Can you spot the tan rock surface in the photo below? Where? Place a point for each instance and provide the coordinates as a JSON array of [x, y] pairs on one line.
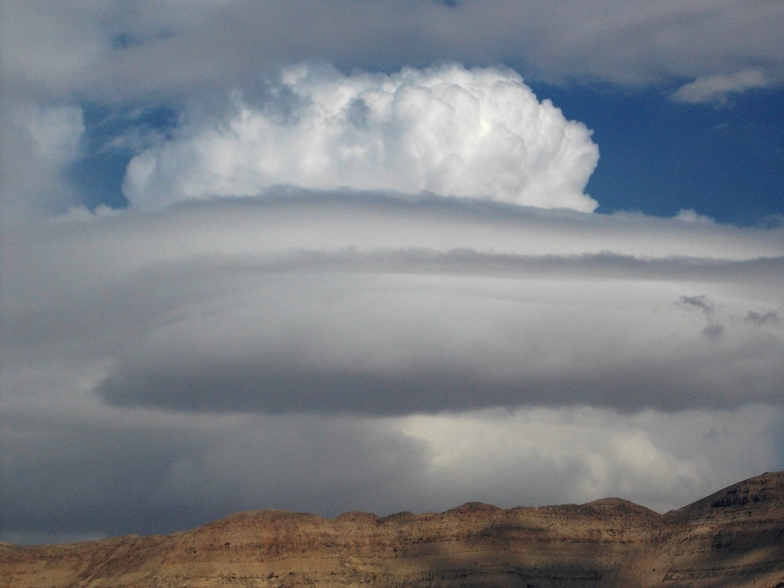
[[732, 538]]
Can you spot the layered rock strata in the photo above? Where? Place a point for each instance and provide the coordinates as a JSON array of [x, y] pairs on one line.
[[732, 538]]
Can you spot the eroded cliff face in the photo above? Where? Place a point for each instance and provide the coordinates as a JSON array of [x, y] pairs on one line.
[[732, 538]]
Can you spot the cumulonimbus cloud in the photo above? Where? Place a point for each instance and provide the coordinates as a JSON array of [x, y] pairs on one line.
[[157, 365], [448, 130]]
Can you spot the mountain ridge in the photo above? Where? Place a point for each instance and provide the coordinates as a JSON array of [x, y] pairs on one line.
[[733, 537]]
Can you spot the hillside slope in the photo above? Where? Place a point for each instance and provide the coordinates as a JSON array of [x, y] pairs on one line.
[[732, 538]]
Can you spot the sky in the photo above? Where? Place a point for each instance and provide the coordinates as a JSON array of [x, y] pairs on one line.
[[384, 256]]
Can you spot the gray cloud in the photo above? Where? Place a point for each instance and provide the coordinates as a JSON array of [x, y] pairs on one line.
[[258, 384], [327, 351], [88, 473], [381, 305], [761, 318], [430, 332], [713, 330], [116, 51], [116, 476], [700, 302]]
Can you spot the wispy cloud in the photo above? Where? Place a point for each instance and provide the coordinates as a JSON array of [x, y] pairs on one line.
[[761, 318], [716, 89]]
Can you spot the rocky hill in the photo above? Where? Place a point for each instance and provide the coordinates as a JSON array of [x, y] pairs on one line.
[[732, 538]]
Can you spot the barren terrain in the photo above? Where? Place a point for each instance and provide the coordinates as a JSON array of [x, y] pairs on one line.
[[734, 537]]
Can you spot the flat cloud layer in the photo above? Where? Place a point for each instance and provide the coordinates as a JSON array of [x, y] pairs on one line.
[[329, 351], [114, 50], [378, 304], [456, 132]]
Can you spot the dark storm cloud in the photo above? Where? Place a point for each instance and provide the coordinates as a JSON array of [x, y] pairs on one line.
[[147, 475], [71, 475], [259, 384], [104, 475]]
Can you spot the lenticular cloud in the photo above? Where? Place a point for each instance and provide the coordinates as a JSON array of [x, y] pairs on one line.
[[477, 133]]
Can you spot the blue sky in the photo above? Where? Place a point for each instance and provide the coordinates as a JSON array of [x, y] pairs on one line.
[[391, 255], [660, 156], [99, 172]]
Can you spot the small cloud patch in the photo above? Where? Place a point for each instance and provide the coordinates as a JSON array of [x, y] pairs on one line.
[[717, 89], [762, 318]]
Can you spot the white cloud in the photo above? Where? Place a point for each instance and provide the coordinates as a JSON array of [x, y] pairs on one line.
[[692, 216], [660, 460], [716, 88], [455, 132]]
